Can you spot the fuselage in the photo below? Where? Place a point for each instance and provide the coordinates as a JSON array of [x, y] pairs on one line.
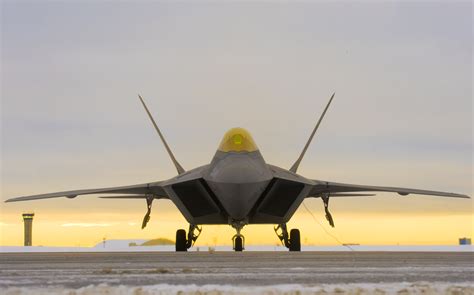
[[238, 179], [239, 185]]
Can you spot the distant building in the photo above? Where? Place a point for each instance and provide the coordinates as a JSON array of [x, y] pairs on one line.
[[28, 221], [464, 241]]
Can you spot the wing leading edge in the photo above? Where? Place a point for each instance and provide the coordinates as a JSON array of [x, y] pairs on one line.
[[324, 187], [153, 188]]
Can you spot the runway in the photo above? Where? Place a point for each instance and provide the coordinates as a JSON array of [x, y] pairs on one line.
[[47, 272]]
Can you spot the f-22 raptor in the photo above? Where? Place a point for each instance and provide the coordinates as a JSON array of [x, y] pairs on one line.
[[238, 188]]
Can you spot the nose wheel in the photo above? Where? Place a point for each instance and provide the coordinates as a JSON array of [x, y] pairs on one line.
[[291, 241], [238, 243], [183, 241], [238, 240]]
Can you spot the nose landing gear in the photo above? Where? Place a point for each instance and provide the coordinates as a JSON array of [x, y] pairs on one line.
[[291, 241], [238, 240], [183, 243]]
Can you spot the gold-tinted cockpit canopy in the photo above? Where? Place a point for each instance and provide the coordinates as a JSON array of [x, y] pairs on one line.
[[237, 140]]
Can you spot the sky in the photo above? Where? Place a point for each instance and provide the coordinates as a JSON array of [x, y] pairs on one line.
[[402, 114]]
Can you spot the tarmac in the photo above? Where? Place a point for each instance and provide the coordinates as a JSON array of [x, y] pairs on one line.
[[73, 271]]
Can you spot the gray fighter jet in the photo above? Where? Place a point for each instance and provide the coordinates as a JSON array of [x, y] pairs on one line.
[[237, 188]]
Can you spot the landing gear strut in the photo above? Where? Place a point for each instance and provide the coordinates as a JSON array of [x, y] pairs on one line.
[[149, 202], [291, 241], [238, 240], [183, 243], [329, 218]]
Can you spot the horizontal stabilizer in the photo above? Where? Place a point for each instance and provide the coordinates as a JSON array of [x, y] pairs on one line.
[[125, 197], [132, 197], [352, 195]]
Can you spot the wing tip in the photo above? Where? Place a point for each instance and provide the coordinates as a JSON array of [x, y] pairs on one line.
[[442, 194], [461, 196], [11, 200], [17, 199]]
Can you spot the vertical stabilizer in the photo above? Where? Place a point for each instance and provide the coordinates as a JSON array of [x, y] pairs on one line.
[[297, 163], [179, 168]]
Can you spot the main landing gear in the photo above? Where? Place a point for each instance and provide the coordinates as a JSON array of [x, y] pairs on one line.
[[291, 241], [183, 243]]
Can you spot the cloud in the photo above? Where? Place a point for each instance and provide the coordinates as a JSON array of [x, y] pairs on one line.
[[86, 224]]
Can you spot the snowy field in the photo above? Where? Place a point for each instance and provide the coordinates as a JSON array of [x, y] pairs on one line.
[[322, 272], [338, 289]]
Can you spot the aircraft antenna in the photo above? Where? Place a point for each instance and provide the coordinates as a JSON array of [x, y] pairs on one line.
[[297, 163], [179, 168]]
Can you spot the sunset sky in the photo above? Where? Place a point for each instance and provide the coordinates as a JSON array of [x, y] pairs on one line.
[[402, 114]]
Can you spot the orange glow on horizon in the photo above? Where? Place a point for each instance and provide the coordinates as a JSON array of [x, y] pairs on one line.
[[379, 229]]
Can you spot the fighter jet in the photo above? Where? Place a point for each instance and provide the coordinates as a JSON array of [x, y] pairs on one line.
[[237, 188]]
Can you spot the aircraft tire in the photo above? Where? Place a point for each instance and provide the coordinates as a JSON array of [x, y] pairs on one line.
[[181, 240], [238, 244], [295, 241]]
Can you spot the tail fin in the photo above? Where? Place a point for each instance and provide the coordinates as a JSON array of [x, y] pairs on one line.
[[179, 168], [297, 163]]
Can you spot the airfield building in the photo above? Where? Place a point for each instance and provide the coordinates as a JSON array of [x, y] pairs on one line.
[[28, 221], [465, 241]]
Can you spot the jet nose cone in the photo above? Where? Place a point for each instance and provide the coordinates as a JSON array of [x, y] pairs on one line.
[[238, 180], [238, 199]]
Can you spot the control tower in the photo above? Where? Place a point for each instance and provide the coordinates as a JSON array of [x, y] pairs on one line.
[[28, 221]]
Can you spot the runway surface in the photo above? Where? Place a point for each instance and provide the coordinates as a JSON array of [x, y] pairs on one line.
[[47, 272]]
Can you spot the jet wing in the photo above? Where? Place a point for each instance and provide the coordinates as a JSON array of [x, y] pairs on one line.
[[153, 188], [322, 187]]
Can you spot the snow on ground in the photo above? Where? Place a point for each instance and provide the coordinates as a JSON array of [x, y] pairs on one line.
[[267, 273], [293, 289], [123, 246]]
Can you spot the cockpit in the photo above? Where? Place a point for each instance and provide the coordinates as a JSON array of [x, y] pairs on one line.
[[237, 140]]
